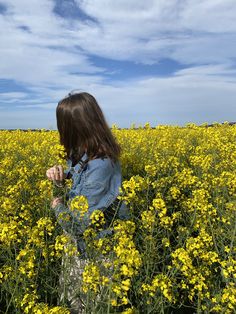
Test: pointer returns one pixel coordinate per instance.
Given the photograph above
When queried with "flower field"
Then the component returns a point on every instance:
(177, 252)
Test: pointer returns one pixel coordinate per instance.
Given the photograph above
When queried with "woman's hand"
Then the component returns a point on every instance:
(55, 173)
(56, 201)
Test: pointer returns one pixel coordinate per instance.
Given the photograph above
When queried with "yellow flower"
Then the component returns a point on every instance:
(80, 204)
(97, 218)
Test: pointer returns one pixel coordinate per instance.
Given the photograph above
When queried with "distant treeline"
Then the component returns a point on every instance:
(230, 123)
(135, 128)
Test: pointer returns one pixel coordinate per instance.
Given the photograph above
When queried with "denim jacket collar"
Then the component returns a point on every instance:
(77, 166)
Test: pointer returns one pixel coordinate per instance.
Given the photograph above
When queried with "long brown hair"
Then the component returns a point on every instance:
(82, 126)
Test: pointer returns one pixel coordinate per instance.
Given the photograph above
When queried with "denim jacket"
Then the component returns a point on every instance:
(99, 181)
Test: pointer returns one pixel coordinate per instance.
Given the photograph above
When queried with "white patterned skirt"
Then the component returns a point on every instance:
(70, 282)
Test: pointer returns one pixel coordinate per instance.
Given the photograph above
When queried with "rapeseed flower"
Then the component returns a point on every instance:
(180, 185)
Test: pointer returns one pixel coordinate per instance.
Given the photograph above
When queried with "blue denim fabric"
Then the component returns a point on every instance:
(99, 181)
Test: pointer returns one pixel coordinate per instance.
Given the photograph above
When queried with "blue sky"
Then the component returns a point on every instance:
(157, 61)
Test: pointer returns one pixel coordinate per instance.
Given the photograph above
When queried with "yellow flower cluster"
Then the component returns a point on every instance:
(27, 229)
(97, 218)
(178, 246)
(29, 301)
(92, 278)
(64, 244)
(229, 268)
(148, 220)
(131, 187)
(80, 204)
(102, 245)
(8, 233)
(127, 261)
(29, 305)
(162, 283)
(228, 298)
(159, 206)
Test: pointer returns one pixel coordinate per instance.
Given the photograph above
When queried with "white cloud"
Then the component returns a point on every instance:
(51, 57)
(148, 31)
(7, 95)
(214, 16)
(152, 17)
(46, 106)
(44, 56)
(190, 96)
(187, 31)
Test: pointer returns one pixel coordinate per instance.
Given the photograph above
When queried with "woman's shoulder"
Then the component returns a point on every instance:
(101, 170)
(102, 163)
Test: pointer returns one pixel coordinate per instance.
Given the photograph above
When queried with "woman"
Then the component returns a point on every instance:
(93, 164)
